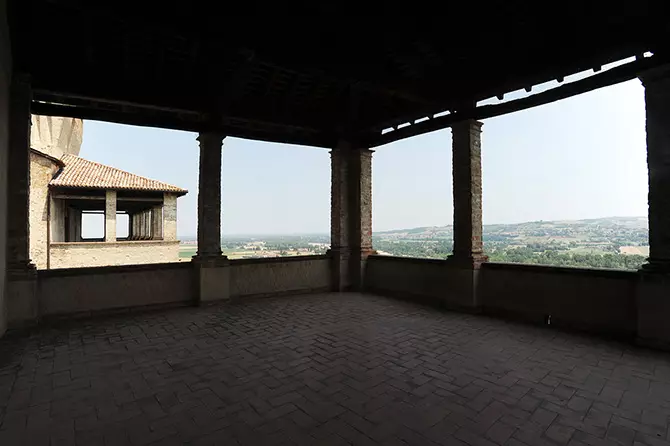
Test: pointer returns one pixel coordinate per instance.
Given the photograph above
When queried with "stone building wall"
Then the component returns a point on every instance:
(5, 77)
(83, 254)
(41, 172)
(56, 136)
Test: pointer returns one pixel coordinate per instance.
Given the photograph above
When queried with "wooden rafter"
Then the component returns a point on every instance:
(610, 77)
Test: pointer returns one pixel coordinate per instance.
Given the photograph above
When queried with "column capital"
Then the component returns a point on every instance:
(473, 123)
(211, 137)
(346, 146)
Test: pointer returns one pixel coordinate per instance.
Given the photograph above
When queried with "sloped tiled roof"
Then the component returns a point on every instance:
(81, 173)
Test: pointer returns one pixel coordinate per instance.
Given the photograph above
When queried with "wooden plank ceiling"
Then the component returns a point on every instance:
(307, 79)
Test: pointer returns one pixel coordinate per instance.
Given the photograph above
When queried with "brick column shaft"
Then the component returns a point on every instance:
(657, 99)
(18, 176)
(209, 195)
(467, 178)
(351, 214)
(110, 216)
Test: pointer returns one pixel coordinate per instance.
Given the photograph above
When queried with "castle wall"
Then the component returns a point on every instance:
(56, 136)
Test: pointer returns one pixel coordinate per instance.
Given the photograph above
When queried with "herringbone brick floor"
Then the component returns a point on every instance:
(326, 369)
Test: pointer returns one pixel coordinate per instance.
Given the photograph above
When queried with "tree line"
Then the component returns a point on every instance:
(441, 249)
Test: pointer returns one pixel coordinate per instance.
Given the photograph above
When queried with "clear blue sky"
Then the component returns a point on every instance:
(579, 158)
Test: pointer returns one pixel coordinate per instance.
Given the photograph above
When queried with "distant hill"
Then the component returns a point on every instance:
(628, 223)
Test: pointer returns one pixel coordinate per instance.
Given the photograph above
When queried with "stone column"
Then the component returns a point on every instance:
(21, 272)
(170, 217)
(209, 195)
(467, 178)
(211, 267)
(657, 99)
(351, 215)
(133, 226)
(110, 216)
(157, 223)
(18, 177)
(462, 267)
(147, 224)
(653, 288)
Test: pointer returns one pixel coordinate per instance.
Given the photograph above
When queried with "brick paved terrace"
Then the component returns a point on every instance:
(326, 369)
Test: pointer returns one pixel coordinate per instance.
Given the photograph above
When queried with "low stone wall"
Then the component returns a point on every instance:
(97, 289)
(86, 254)
(280, 275)
(596, 300)
(87, 290)
(602, 301)
(426, 280)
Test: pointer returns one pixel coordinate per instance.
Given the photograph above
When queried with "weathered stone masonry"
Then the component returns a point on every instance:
(351, 214)
(467, 178)
(211, 268)
(209, 195)
(110, 216)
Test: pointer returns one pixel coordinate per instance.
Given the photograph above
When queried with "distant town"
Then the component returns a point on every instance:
(613, 242)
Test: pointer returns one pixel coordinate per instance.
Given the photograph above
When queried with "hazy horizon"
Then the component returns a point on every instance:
(583, 157)
(279, 234)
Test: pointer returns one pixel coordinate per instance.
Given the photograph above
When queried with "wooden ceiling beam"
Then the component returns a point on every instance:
(607, 78)
(192, 122)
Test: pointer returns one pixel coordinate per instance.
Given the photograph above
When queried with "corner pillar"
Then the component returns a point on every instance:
(351, 215)
(653, 289)
(169, 214)
(110, 216)
(211, 266)
(22, 305)
(468, 252)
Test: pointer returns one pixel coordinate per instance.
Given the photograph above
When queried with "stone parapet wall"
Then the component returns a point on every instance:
(83, 254)
(276, 276)
(600, 301)
(90, 290)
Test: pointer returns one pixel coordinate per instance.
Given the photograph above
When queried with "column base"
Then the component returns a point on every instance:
(472, 261)
(463, 277)
(348, 268)
(212, 279)
(652, 295)
(22, 302)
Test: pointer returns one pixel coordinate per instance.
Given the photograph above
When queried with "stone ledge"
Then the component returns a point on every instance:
(406, 259)
(547, 269)
(261, 260)
(116, 269)
(63, 245)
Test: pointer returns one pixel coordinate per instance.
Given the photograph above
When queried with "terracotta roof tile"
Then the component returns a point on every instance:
(82, 173)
